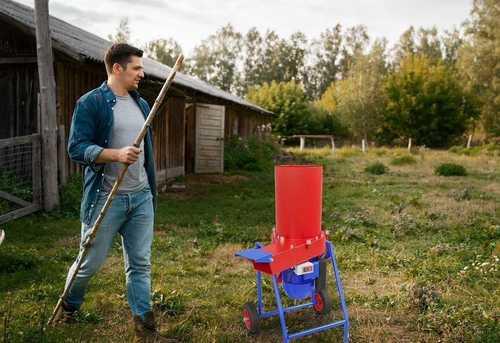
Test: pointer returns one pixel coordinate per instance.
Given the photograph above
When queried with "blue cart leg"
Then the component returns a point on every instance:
(281, 312)
(260, 302)
(340, 290)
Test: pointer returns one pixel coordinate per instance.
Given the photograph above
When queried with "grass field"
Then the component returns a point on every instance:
(418, 255)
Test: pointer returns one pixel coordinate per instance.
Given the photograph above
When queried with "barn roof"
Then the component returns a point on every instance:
(83, 45)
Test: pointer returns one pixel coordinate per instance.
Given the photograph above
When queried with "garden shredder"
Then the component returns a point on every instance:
(298, 255)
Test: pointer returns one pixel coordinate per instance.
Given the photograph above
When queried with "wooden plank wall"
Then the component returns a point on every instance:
(18, 99)
(176, 122)
(190, 137)
(18, 81)
(72, 81)
(168, 132)
(243, 121)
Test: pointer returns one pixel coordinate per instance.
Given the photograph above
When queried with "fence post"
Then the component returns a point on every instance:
(45, 63)
(36, 177)
(302, 142)
(409, 144)
(333, 144)
(363, 145)
(469, 141)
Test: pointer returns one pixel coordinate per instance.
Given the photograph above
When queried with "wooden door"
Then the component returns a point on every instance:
(209, 153)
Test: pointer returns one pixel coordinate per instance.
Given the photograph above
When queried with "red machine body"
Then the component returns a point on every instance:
(297, 236)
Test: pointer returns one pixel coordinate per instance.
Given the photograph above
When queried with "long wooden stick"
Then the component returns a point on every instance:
(87, 244)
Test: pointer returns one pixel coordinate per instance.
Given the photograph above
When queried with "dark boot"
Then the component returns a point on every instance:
(68, 313)
(145, 330)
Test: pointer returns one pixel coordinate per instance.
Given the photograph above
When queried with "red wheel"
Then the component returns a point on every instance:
(322, 303)
(251, 318)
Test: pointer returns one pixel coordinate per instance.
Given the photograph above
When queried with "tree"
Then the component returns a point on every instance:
(252, 65)
(289, 103)
(163, 50)
(215, 59)
(425, 102)
(293, 53)
(325, 68)
(452, 42)
(429, 44)
(479, 61)
(358, 100)
(355, 42)
(406, 45)
(122, 34)
(271, 58)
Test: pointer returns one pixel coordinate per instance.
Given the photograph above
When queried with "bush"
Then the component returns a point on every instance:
(450, 169)
(403, 160)
(71, 196)
(376, 168)
(252, 154)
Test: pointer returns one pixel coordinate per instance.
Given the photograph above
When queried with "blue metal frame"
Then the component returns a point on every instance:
(281, 311)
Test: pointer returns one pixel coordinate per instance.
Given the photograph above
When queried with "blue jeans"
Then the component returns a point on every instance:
(131, 215)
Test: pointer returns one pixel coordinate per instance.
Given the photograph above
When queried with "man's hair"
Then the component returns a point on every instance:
(120, 53)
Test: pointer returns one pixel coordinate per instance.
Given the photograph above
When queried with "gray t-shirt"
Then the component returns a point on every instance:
(127, 123)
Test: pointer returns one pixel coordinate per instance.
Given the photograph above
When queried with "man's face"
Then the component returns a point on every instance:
(131, 75)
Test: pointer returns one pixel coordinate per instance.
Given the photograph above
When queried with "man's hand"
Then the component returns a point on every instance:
(127, 155)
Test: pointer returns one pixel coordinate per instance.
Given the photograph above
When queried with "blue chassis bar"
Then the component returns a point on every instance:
(281, 311)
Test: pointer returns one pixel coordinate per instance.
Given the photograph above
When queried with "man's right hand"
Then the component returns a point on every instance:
(128, 154)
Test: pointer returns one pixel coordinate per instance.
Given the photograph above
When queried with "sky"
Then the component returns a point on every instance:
(191, 21)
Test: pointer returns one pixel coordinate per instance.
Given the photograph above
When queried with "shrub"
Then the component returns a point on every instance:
(376, 168)
(450, 169)
(71, 195)
(252, 154)
(403, 160)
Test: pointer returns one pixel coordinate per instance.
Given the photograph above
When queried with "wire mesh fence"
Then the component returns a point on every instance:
(20, 179)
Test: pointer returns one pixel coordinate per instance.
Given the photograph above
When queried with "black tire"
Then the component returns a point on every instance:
(251, 318)
(323, 302)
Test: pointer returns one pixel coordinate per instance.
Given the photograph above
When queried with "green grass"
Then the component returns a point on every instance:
(418, 256)
(403, 160)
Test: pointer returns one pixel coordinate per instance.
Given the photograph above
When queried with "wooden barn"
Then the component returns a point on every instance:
(189, 131)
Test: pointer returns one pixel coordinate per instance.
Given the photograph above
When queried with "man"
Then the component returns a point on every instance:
(105, 122)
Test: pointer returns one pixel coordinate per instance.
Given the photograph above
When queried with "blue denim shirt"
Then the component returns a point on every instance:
(90, 133)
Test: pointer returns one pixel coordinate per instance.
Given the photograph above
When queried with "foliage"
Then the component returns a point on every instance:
(427, 103)
(164, 51)
(122, 34)
(450, 169)
(215, 59)
(71, 194)
(479, 61)
(288, 102)
(376, 168)
(252, 154)
(358, 100)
